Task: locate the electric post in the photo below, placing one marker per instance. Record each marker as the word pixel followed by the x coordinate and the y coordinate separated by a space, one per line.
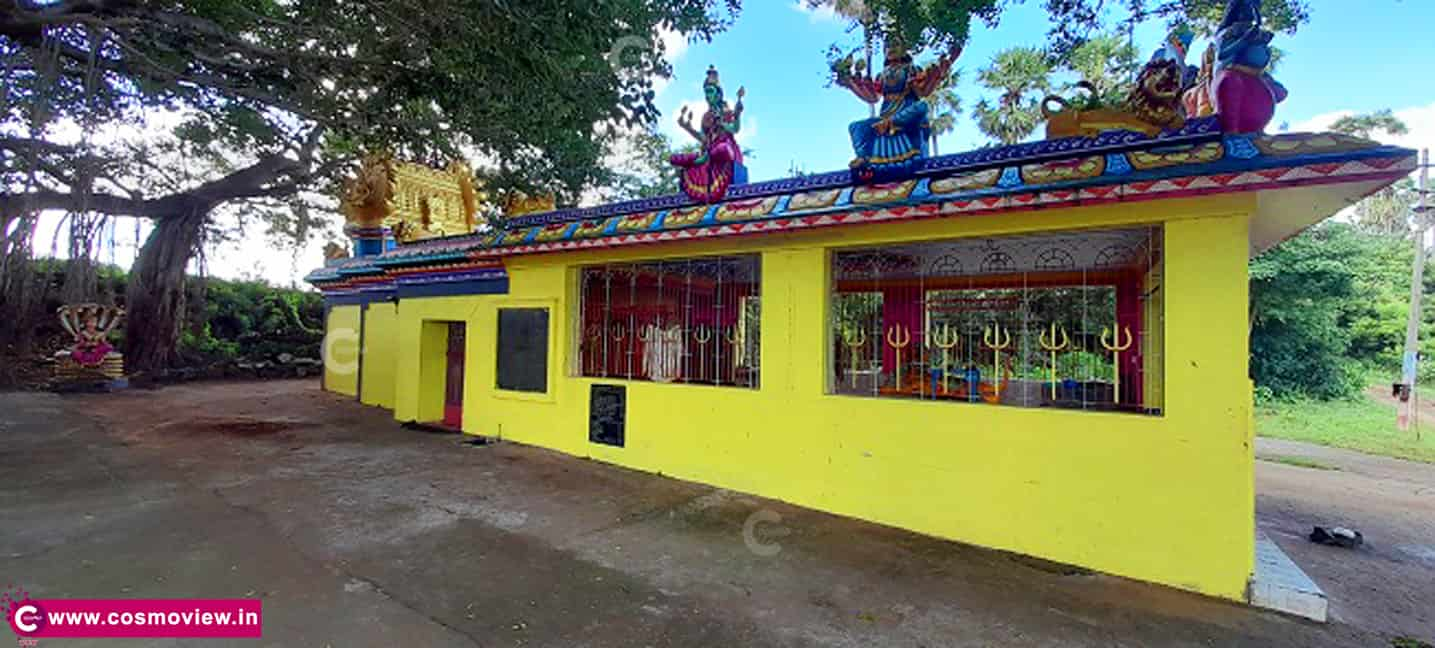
pixel 1410 364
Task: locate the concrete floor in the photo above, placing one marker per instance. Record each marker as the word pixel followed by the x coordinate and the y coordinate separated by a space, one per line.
pixel 357 532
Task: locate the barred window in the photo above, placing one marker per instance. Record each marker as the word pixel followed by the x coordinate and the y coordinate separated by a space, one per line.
pixel 1069 320
pixel 677 320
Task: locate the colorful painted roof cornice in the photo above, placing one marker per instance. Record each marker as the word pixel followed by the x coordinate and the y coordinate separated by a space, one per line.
pixel 376 277
pixel 1115 167
pixel 1205 128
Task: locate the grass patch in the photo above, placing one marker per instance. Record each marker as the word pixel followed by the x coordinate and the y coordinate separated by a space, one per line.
pixel 1361 424
pixel 1408 642
pixel 1299 462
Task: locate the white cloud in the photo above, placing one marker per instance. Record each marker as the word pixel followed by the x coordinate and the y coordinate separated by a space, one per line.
pixel 675 44
pixel 824 13
pixel 1419 119
pixel 669 124
pixel 748 134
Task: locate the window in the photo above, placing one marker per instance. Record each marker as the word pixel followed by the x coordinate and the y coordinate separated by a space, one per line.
pixel 691 321
pixel 1069 320
pixel 523 349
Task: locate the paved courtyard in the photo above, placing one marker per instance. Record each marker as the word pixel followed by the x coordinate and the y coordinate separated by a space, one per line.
pixel 358 532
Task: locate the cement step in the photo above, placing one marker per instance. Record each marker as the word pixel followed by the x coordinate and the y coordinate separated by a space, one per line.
pixel 1280 585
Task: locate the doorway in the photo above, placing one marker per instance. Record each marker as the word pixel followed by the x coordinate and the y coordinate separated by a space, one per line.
pixel 453 378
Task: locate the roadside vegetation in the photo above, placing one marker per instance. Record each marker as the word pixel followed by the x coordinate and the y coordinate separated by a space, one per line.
pixel 1362 423
pixel 1328 317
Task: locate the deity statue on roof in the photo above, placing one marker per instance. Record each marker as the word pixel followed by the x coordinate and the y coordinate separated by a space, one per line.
pixel 1240 88
pixel 1178 43
pixel 707 173
pixel 892 143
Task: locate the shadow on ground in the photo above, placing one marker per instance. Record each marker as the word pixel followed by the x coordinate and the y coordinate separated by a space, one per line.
pixel 357 532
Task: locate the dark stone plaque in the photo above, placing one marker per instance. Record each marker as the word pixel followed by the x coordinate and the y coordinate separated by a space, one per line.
pixel 607 409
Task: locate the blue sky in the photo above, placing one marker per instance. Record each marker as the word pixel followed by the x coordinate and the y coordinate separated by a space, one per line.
pixel 1353 56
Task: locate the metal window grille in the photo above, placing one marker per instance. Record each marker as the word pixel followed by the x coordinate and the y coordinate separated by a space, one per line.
pixel 1068 320
pixel 694 321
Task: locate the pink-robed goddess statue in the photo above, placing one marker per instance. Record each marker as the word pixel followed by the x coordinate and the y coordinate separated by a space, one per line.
pixel 717 165
pixel 90 325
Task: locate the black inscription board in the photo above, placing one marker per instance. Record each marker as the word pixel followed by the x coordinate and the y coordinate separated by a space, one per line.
pixel 607 409
pixel 523 349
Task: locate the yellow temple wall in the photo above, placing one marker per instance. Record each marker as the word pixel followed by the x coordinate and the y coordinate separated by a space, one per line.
pixel 341 350
pixel 379 371
pixel 1167 499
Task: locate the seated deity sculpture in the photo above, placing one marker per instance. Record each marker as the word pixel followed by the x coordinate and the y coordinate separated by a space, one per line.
pixel 90 355
pixel 707 173
pixel 892 143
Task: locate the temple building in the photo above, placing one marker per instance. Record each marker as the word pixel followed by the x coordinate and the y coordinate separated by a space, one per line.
pixel 1039 348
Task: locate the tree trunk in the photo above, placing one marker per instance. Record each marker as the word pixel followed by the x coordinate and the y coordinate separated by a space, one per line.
pixel 154 300
pixel 17 283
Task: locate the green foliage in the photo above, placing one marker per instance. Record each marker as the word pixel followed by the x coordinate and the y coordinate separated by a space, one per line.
pixel 944 107
pixel 919 25
pixel 1325 305
pixel 1074 21
pixel 249 320
pixel 226 320
pixel 1022 77
pixel 1297 291
pixel 1108 63
pixel 1367 125
pixel 524 84
pixel 1103 67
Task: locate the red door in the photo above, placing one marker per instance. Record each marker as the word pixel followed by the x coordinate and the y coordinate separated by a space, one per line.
pixel 453 387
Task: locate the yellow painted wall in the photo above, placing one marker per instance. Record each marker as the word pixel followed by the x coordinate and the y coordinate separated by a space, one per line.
pixel 1165 499
pixel 341 350
pixel 380 367
pixel 1153 348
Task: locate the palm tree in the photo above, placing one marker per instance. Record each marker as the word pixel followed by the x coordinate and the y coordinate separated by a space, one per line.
pixel 1364 126
pixel 1023 76
pixel 1108 62
pixel 861 15
pixel 944 106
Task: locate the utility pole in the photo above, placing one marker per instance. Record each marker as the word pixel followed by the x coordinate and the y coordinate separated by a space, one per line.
pixel 1411 361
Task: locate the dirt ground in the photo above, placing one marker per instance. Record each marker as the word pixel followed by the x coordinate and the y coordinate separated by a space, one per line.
pixel 358 532
pixel 1389 583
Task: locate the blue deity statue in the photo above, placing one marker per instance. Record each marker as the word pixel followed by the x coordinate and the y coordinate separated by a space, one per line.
pixel 1241 90
pixel 1178 43
pixel 892 143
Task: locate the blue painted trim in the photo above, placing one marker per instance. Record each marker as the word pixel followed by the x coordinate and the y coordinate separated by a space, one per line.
pixel 454 288
pixel 364 246
pixel 419 259
pixel 357 299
